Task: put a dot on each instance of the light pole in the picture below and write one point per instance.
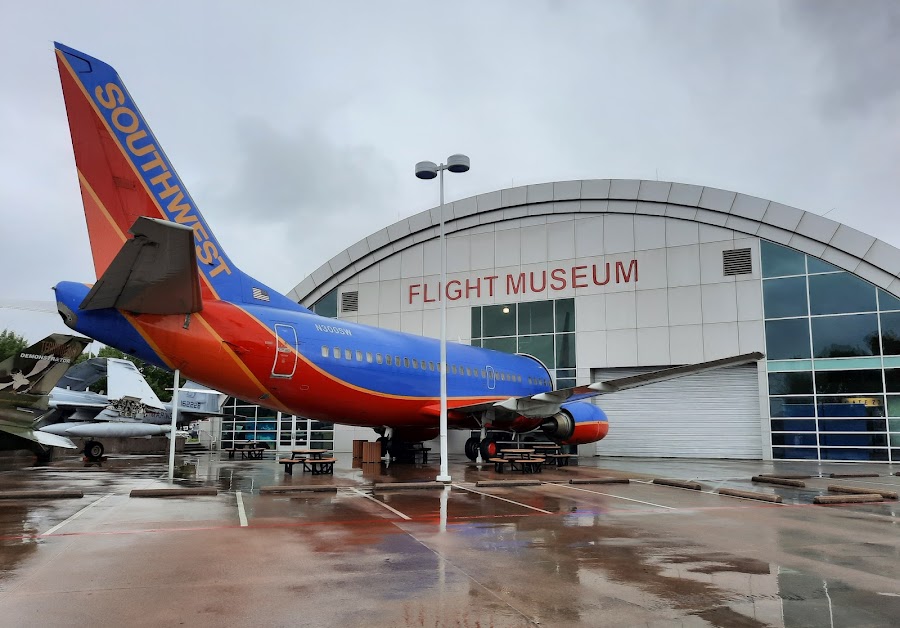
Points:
(429, 170)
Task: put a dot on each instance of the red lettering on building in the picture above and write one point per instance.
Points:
(413, 291)
(605, 281)
(453, 293)
(515, 285)
(524, 283)
(558, 279)
(576, 276)
(476, 287)
(625, 277)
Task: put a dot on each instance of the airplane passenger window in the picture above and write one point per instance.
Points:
(359, 356)
(406, 362)
(415, 363)
(397, 360)
(469, 371)
(388, 359)
(348, 355)
(453, 369)
(430, 365)
(337, 352)
(324, 351)
(378, 358)
(368, 357)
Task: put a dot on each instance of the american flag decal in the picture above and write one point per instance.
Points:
(260, 294)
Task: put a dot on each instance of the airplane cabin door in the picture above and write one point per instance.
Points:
(285, 351)
(491, 377)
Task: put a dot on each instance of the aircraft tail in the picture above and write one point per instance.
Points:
(124, 381)
(26, 380)
(36, 369)
(125, 175)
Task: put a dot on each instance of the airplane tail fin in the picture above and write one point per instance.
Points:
(36, 369)
(124, 380)
(125, 175)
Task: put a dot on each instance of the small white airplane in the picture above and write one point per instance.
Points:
(129, 408)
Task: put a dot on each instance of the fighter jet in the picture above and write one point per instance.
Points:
(26, 380)
(129, 408)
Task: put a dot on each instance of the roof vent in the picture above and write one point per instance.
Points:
(737, 262)
(350, 302)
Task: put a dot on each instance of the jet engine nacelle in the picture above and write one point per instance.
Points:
(576, 423)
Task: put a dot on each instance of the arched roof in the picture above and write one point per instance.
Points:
(845, 247)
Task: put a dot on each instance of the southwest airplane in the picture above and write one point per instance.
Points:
(167, 292)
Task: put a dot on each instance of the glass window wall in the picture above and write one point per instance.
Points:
(838, 405)
(543, 329)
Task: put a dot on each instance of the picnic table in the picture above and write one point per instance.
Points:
(519, 459)
(313, 460)
(252, 451)
(553, 453)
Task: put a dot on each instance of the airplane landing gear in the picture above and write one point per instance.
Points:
(488, 448)
(93, 450)
(471, 448)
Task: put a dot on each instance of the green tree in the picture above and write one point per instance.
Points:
(160, 380)
(11, 343)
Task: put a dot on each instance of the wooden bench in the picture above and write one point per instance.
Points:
(499, 463)
(560, 460)
(320, 466)
(289, 464)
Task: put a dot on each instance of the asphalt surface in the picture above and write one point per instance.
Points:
(634, 554)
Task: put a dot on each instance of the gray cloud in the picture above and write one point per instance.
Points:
(296, 125)
(858, 48)
(292, 177)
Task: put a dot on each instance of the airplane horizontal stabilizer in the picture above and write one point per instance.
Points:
(154, 273)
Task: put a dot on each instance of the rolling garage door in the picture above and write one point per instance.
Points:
(708, 415)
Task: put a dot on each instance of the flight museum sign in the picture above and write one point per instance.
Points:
(524, 283)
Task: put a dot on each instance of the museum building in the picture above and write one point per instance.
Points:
(601, 279)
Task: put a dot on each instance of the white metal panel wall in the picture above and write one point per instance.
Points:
(708, 415)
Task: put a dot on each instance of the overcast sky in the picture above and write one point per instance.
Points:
(296, 125)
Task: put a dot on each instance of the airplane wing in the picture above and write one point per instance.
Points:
(154, 273)
(51, 440)
(548, 403)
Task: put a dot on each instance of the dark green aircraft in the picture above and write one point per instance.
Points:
(26, 380)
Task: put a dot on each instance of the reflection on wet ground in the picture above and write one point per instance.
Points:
(551, 555)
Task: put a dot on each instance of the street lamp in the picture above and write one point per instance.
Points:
(429, 170)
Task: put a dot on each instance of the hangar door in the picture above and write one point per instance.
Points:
(707, 415)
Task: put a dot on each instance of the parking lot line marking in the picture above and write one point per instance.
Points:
(241, 514)
(75, 516)
(380, 503)
(503, 499)
(575, 488)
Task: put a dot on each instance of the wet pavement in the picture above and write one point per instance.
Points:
(557, 554)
